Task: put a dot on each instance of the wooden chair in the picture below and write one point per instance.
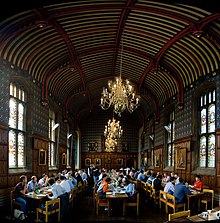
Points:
(134, 204)
(154, 196)
(148, 190)
(51, 207)
(179, 215)
(100, 203)
(79, 190)
(163, 199)
(208, 198)
(14, 204)
(71, 198)
(171, 202)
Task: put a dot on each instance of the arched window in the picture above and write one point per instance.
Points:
(54, 131)
(17, 127)
(207, 129)
(170, 130)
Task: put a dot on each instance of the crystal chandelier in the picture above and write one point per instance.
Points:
(112, 132)
(119, 95)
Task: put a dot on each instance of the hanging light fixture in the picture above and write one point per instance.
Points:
(112, 132)
(119, 95)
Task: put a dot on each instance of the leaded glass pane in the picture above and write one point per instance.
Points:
(203, 151)
(210, 97)
(173, 132)
(11, 89)
(213, 95)
(12, 148)
(211, 115)
(152, 158)
(211, 151)
(20, 116)
(203, 121)
(20, 149)
(12, 113)
(14, 92)
(23, 96)
(201, 100)
(204, 99)
(169, 155)
(53, 154)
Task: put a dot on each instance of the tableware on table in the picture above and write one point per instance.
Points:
(217, 214)
(205, 214)
(209, 211)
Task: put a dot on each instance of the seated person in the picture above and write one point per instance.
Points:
(32, 184)
(20, 190)
(57, 190)
(169, 187)
(157, 184)
(180, 191)
(130, 190)
(103, 188)
(198, 185)
(43, 182)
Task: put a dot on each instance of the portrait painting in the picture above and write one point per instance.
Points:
(181, 158)
(64, 159)
(120, 162)
(97, 162)
(42, 157)
(87, 162)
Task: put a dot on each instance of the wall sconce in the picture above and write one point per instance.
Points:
(167, 128)
(55, 126)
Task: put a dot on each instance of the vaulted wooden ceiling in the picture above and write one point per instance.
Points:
(73, 48)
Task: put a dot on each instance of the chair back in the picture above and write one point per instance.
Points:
(13, 202)
(55, 203)
(134, 203)
(209, 196)
(179, 215)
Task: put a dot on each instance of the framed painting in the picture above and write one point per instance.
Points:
(63, 158)
(120, 162)
(42, 157)
(157, 160)
(181, 158)
(92, 146)
(87, 162)
(98, 162)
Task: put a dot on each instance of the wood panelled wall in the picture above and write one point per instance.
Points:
(109, 160)
(3, 156)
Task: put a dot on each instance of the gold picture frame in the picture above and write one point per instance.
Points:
(64, 158)
(42, 157)
(98, 162)
(181, 158)
(120, 162)
(88, 162)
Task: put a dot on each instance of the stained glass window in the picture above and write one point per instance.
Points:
(52, 136)
(203, 151)
(203, 120)
(170, 133)
(12, 148)
(16, 143)
(12, 113)
(211, 151)
(207, 129)
(211, 115)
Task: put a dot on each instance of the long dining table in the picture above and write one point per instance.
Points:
(116, 195)
(211, 217)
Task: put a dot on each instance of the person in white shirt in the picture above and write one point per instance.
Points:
(57, 190)
(43, 182)
(169, 187)
(64, 184)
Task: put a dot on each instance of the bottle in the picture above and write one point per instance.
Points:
(36, 191)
